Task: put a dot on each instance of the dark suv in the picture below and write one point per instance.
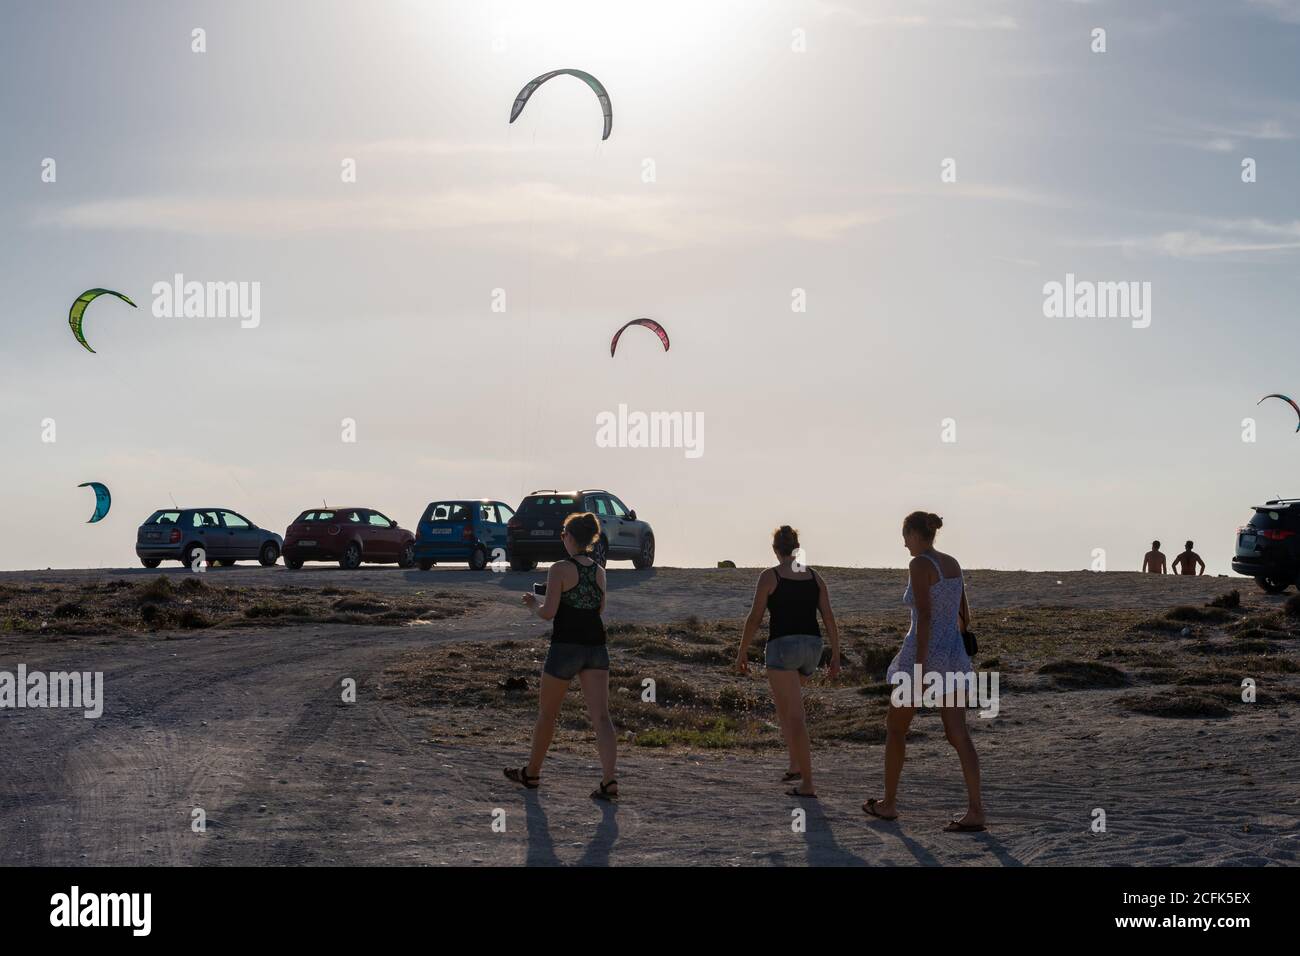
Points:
(533, 534)
(1268, 548)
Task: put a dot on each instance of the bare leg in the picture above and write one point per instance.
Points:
(595, 691)
(783, 721)
(548, 709)
(955, 729)
(788, 695)
(896, 724)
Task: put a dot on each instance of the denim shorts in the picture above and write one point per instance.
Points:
(794, 652)
(566, 660)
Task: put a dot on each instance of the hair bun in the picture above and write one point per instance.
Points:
(933, 522)
(785, 539)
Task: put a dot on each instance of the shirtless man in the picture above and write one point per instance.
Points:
(1154, 562)
(1189, 559)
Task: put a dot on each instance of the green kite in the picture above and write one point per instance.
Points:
(79, 308)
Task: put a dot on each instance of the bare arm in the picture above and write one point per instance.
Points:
(600, 577)
(554, 588)
(766, 583)
(832, 628)
(919, 575)
(1201, 563)
(964, 611)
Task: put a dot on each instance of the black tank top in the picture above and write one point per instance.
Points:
(793, 606)
(578, 619)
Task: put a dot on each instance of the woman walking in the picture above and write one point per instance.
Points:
(575, 600)
(793, 596)
(936, 595)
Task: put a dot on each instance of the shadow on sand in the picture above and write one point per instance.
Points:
(541, 847)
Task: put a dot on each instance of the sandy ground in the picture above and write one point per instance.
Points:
(249, 725)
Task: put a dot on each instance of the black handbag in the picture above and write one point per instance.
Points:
(972, 645)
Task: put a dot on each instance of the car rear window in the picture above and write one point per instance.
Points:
(549, 505)
(164, 517)
(316, 516)
(447, 511)
(1274, 518)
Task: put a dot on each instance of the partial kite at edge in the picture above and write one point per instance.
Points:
(1288, 401)
(596, 87)
(79, 309)
(650, 324)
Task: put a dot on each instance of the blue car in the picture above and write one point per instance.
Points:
(469, 531)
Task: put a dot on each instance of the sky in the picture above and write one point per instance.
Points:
(764, 156)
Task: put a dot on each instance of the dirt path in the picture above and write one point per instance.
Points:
(249, 725)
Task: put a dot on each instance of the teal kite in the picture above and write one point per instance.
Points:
(103, 500)
(596, 87)
(1288, 401)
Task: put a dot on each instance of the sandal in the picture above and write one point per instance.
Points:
(869, 808)
(796, 792)
(520, 775)
(958, 827)
(791, 775)
(606, 791)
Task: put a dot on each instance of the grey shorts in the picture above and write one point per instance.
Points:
(794, 652)
(566, 660)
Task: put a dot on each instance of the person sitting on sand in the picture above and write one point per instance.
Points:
(793, 597)
(1190, 561)
(1154, 561)
(575, 600)
(936, 594)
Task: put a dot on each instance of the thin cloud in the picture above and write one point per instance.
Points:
(539, 215)
(1288, 11)
(1221, 238)
(941, 20)
(824, 227)
(1227, 138)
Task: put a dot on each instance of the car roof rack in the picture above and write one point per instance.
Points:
(1278, 503)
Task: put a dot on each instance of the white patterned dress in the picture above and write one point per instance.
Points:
(947, 651)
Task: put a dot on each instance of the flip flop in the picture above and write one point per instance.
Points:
(869, 808)
(794, 792)
(606, 791)
(520, 775)
(958, 827)
(791, 775)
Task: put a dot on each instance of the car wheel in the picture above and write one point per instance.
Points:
(293, 564)
(407, 557)
(151, 562)
(351, 559)
(601, 551)
(646, 558)
(270, 554)
(189, 556)
(522, 564)
(478, 558)
(1271, 585)
(425, 565)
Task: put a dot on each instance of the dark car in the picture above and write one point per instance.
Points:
(349, 536)
(534, 531)
(1268, 548)
(221, 535)
(470, 531)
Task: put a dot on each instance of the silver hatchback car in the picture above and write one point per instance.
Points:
(214, 534)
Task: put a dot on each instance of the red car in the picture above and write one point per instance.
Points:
(348, 536)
